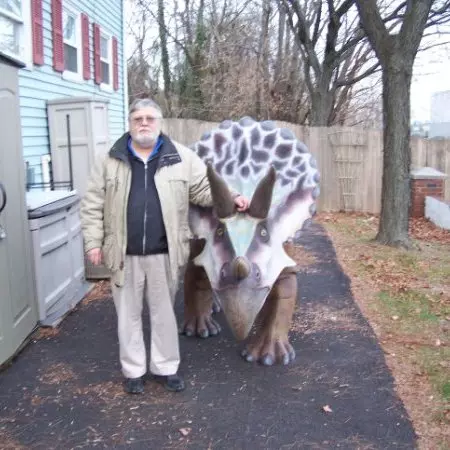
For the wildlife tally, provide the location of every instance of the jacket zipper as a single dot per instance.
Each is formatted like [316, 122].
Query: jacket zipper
[144, 238]
[125, 204]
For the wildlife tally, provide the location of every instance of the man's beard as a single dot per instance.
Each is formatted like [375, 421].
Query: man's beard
[146, 140]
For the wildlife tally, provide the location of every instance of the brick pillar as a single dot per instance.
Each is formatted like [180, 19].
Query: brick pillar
[425, 182]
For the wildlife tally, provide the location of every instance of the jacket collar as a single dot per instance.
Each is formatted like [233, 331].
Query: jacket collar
[168, 154]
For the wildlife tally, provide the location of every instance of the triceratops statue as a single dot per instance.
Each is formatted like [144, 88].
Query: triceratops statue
[243, 260]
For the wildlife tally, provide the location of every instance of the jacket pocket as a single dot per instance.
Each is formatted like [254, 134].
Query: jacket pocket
[109, 250]
[179, 191]
[110, 206]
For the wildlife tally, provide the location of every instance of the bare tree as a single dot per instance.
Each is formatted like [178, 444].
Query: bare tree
[142, 75]
[396, 52]
[214, 59]
[328, 37]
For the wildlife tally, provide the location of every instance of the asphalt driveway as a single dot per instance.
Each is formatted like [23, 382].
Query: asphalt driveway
[64, 390]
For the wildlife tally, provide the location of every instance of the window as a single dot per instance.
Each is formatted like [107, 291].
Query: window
[105, 59]
[72, 44]
[14, 29]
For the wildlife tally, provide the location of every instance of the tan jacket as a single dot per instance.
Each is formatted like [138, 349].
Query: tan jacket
[179, 180]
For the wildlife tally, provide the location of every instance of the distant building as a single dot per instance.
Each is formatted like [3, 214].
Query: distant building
[421, 129]
[440, 115]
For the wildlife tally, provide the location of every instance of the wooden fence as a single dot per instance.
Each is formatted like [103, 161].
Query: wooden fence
[350, 160]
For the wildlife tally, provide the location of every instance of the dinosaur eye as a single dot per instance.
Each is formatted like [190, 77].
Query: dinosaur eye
[219, 231]
[264, 233]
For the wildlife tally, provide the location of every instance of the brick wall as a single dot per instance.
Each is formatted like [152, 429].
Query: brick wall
[421, 188]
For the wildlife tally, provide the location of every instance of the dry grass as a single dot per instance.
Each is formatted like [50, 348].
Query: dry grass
[405, 295]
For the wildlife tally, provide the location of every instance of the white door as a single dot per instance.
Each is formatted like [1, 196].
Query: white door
[18, 312]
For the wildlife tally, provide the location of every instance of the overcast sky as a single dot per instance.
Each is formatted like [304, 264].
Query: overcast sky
[431, 74]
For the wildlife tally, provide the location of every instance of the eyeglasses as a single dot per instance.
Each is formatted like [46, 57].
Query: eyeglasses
[140, 120]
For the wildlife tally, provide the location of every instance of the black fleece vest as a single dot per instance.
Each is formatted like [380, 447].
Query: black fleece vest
[145, 226]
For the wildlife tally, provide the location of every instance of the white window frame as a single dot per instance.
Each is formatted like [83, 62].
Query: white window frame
[67, 74]
[25, 55]
[108, 37]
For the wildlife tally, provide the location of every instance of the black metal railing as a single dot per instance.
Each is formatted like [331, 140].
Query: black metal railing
[53, 185]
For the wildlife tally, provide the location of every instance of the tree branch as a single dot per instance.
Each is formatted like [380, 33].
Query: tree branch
[416, 16]
[301, 34]
[371, 70]
[373, 25]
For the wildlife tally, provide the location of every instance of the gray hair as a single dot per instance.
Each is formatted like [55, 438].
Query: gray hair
[141, 103]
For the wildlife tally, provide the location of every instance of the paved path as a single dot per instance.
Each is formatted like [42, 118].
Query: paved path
[65, 391]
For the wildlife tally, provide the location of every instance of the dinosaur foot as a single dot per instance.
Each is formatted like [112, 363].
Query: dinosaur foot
[269, 351]
[202, 326]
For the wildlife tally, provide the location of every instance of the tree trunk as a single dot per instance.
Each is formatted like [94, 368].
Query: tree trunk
[164, 56]
[395, 199]
[262, 82]
[280, 60]
[321, 107]
[322, 101]
[396, 53]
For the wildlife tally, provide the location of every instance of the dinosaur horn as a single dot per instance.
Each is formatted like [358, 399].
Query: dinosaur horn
[262, 198]
[222, 199]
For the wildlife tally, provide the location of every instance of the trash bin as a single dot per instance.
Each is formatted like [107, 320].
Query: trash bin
[57, 249]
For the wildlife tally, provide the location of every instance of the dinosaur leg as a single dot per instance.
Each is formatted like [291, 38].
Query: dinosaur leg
[270, 343]
[198, 304]
[216, 308]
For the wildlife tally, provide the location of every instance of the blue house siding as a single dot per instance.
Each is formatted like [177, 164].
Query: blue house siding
[42, 83]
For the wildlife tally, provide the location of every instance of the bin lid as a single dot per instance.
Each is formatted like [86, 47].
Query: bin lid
[41, 204]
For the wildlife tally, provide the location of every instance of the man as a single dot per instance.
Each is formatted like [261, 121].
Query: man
[134, 218]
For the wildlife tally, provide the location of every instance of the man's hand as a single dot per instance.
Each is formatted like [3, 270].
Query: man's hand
[95, 256]
[241, 203]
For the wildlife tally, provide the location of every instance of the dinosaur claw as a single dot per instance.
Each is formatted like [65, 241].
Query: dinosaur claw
[286, 360]
[249, 358]
[267, 360]
[203, 333]
[292, 354]
[244, 353]
[188, 333]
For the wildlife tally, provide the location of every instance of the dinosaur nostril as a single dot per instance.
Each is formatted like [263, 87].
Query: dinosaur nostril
[241, 268]
[224, 271]
[256, 273]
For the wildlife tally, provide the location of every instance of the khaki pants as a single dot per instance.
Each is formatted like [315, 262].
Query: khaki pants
[154, 271]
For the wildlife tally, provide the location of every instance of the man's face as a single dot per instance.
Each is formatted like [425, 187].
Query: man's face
[145, 126]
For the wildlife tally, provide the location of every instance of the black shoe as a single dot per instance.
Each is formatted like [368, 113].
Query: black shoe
[134, 385]
[173, 383]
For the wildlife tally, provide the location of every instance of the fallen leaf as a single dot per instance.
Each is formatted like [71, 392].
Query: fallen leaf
[438, 343]
[395, 317]
[327, 409]
[185, 431]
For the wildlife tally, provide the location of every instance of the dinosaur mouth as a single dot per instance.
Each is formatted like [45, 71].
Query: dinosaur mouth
[241, 305]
